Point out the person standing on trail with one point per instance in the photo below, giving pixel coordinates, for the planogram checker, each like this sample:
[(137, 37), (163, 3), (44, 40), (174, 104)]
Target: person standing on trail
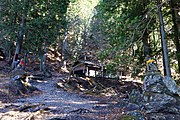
[(16, 62), (21, 63)]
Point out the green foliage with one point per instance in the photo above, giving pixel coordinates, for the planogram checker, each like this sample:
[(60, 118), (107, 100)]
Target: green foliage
[(121, 30), (44, 21), (79, 15), (128, 27), (118, 29)]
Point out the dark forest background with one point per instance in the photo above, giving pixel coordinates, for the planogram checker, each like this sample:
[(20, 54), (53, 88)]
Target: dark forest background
[(114, 33)]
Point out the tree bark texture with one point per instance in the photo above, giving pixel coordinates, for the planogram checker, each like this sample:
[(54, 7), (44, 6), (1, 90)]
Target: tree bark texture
[(20, 32), (174, 10), (146, 44), (64, 50), (19, 41), (164, 43), (145, 38)]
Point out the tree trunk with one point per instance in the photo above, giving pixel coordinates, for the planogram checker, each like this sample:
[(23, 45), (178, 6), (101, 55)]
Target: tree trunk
[(44, 58), (19, 41), (146, 44), (145, 38), (42, 55), (43, 65), (64, 51), (20, 33), (176, 31), (164, 44)]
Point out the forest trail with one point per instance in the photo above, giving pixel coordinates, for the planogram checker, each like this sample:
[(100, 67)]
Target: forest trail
[(54, 102)]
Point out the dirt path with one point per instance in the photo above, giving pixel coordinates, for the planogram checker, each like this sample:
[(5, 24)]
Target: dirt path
[(55, 103)]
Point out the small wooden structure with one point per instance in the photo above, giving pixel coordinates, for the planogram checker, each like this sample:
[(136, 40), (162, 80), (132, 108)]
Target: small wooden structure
[(83, 68)]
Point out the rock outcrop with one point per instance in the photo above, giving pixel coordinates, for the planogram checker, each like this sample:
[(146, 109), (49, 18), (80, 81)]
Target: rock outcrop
[(161, 94), (19, 83), (159, 98)]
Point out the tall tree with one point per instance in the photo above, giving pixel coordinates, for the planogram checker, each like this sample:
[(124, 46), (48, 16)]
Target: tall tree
[(145, 37), (164, 44), (123, 25), (37, 23), (175, 18), (20, 33)]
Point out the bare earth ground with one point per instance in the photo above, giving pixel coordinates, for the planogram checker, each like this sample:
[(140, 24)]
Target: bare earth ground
[(55, 103)]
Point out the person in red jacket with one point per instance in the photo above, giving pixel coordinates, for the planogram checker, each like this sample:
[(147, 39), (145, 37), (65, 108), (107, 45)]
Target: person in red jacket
[(21, 64)]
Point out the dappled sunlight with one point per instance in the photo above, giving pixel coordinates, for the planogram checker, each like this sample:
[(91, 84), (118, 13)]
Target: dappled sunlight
[(65, 70), (85, 13), (14, 115), (53, 100), (89, 60), (41, 81), (82, 102), (56, 56)]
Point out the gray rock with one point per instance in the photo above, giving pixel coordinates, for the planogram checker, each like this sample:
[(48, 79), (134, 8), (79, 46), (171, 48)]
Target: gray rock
[(160, 116), (171, 85), (160, 94), (132, 115), (131, 107), (158, 84), (161, 99), (156, 102), (135, 97), (154, 83), (137, 114), (20, 87)]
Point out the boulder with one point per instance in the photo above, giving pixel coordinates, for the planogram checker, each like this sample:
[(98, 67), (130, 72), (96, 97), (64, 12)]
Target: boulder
[(17, 72), (161, 94), (132, 115), (136, 97), (154, 83), (158, 84), (171, 85), (131, 107), (19, 83), (159, 99), (155, 102), (18, 87)]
